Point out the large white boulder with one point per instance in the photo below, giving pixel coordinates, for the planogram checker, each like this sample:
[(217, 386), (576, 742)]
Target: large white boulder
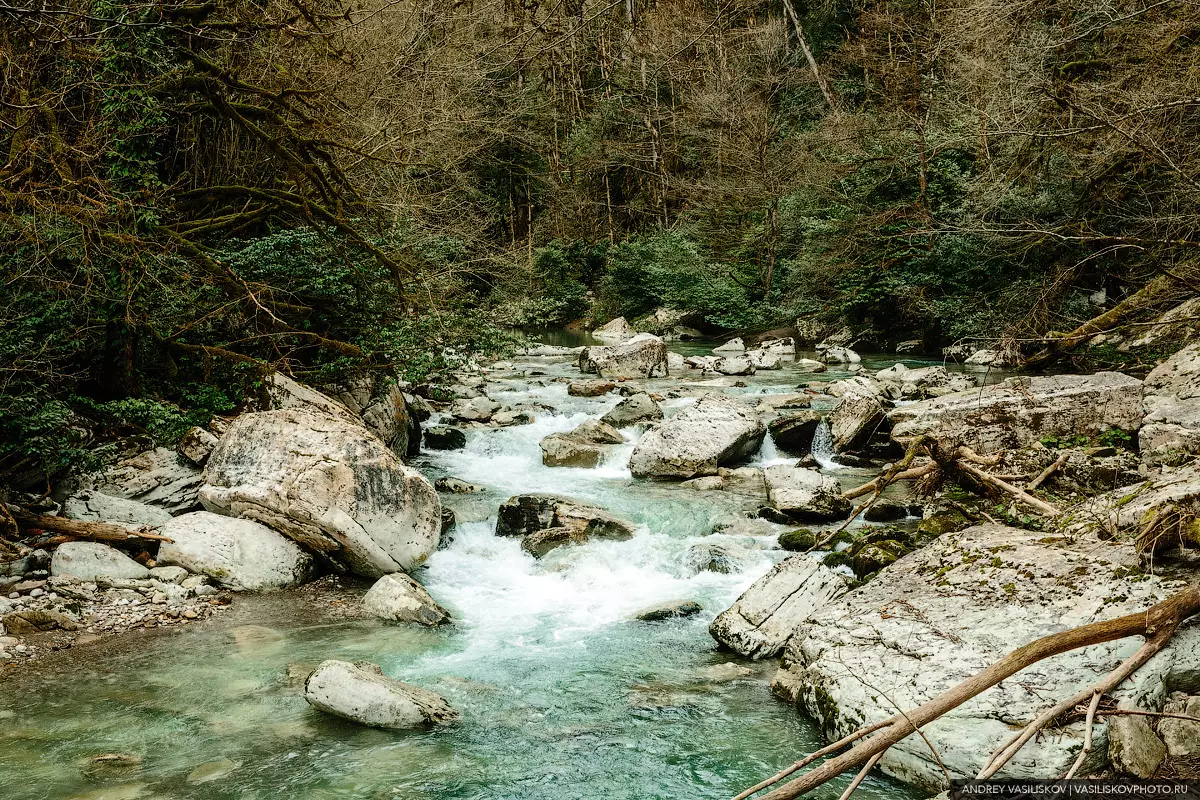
[(330, 485), (854, 421), (617, 330), (362, 693), (805, 494), (732, 346), (636, 408), (774, 608), (1022, 411), (946, 611), (1172, 404), (644, 356), (92, 561), (715, 431), (399, 598), (237, 553)]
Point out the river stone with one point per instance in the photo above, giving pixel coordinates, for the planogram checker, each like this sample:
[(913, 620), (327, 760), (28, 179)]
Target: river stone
[(361, 693), (672, 610), (586, 446), (617, 330), (399, 598), (636, 408), (331, 486), (1133, 748), (1022, 411), (785, 346), (810, 365), (793, 431), (774, 608), (1181, 736), (637, 358), (539, 543), (854, 421), (805, 494), (93, 506), (454, 485), (721, 557), (732, 346), (840, 355), (524, 514), (168, 574), (158, 477), (443, 437), (590, 388), (475, 409), (196, 444), (1172, 404), (237, 553), (717, 430), (948, 610), (91, 561), (382, 407), (733, 365)]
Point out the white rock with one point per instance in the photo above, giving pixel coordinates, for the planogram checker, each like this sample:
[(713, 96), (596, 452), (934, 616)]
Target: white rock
[(169, 574), (841, 355), (854, 421), (1172, 404), (676, 363), (196, 444), (774, 608), (617, 330), (733, 365), (715, 431), (93, 506), (636, 408), (781, 347), (637, 358), (475, 409), (732, 346), (805, 494), (810, 365), (362, 693), (399, 598), (237, 553), (333, 487), (764, 359), (158, 477), (90, 561)]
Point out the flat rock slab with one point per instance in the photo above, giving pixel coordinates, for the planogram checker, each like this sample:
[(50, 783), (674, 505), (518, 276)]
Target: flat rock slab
[(945, 612)]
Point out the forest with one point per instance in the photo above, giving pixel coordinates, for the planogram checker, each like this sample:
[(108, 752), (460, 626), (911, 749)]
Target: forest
[(193, 193)]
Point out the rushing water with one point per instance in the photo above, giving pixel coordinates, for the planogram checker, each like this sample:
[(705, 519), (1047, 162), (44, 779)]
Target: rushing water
[(562, 695)]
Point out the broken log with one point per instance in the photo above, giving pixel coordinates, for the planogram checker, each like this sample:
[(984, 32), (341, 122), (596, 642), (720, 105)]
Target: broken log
[(79, 529)]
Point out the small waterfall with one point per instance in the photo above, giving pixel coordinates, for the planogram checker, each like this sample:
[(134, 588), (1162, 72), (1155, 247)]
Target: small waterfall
[(767, 452), (822, 445)]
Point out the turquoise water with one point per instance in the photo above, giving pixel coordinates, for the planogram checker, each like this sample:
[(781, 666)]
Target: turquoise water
[(562, 695)]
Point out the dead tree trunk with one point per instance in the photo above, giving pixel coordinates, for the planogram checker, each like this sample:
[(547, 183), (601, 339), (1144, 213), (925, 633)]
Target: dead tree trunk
[(97, 531)]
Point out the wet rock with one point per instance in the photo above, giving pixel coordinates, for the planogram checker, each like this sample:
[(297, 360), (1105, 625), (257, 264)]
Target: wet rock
[(475, 409), (774, 608), (805, 494), (456, 486), (709, 483), (733, 365), (90, 561), (213, 771), (793, 431), (724, 673), (799, 541), (363, 694), (854, 421), (158, 477), (716, 431), (237, 553), (637, 358), (672, 610), (636, 408), (885, 511), (511, 416), (196, 444), (617, 330), (731, 346), (1133, 748), (1022, 411), (524, 514), (539, 543), (399, 598), (840, 355), (951, 608), (590, 388), (772, 514), (443, 437), (585, 447), (763, 359), (333, 487), (720, 557), (1172, 405), (809, 365)]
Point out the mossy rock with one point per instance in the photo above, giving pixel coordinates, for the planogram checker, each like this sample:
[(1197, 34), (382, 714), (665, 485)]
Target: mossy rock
[(841, 558), (873, 557), (944, 520), (842, 537), (798, 541)]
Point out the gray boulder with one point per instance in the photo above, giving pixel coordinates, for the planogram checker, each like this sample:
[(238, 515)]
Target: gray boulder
[(1133, 747), (636, 408), (1182, 737), (717, 430), (586, 446), (329, 485), (91, 561), (475, 409), (673, 610), (1172, 404), (617, 330), (158, 477), (524, 514), (1023, 410), (590, 388), (237, 553), (793, 431), (637, 358), (362, 693), (854, 421), (773, 610), (840, 355), (733, 365), (539, 543), (93, 506), (399, 598), (805, 494), (196, 444)]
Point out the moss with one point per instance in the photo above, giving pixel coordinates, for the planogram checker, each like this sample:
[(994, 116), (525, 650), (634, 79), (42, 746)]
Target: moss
[(799, 540)]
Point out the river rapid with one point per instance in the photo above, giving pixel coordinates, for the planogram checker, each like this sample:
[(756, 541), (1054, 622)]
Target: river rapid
[(563, 696)]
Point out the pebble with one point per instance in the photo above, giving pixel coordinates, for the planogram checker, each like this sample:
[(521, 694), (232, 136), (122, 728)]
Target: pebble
[(190, 614)]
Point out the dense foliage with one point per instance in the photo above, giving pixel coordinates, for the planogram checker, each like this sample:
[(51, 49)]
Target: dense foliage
[(193, 193)]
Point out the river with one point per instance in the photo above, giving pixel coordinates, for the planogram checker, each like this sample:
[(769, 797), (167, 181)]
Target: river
[(563, 696)]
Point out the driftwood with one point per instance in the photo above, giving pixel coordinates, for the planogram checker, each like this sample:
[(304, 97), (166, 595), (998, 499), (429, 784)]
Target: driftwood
[(1157, 624), (96, 531), (1058, 464)]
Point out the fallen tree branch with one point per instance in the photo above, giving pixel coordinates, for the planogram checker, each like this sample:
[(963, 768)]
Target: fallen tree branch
[(1044, 508), (905, 475), (1058, 464), (1087, 737), (1157, 624), (98, 531)]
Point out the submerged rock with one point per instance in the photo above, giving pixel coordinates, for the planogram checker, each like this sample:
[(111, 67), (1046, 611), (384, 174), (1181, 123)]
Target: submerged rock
[(1022, 411), (672, 610), (637, 358), (539, 543), (717, 430), (361, 693), (91, 561), (443, 437), (636, 408), (399, 598), (331, 486), (524, 514), (774, 608), (237, 553)]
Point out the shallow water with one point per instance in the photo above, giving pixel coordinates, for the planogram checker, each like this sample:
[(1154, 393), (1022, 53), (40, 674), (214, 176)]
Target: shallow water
[(562, 695)]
